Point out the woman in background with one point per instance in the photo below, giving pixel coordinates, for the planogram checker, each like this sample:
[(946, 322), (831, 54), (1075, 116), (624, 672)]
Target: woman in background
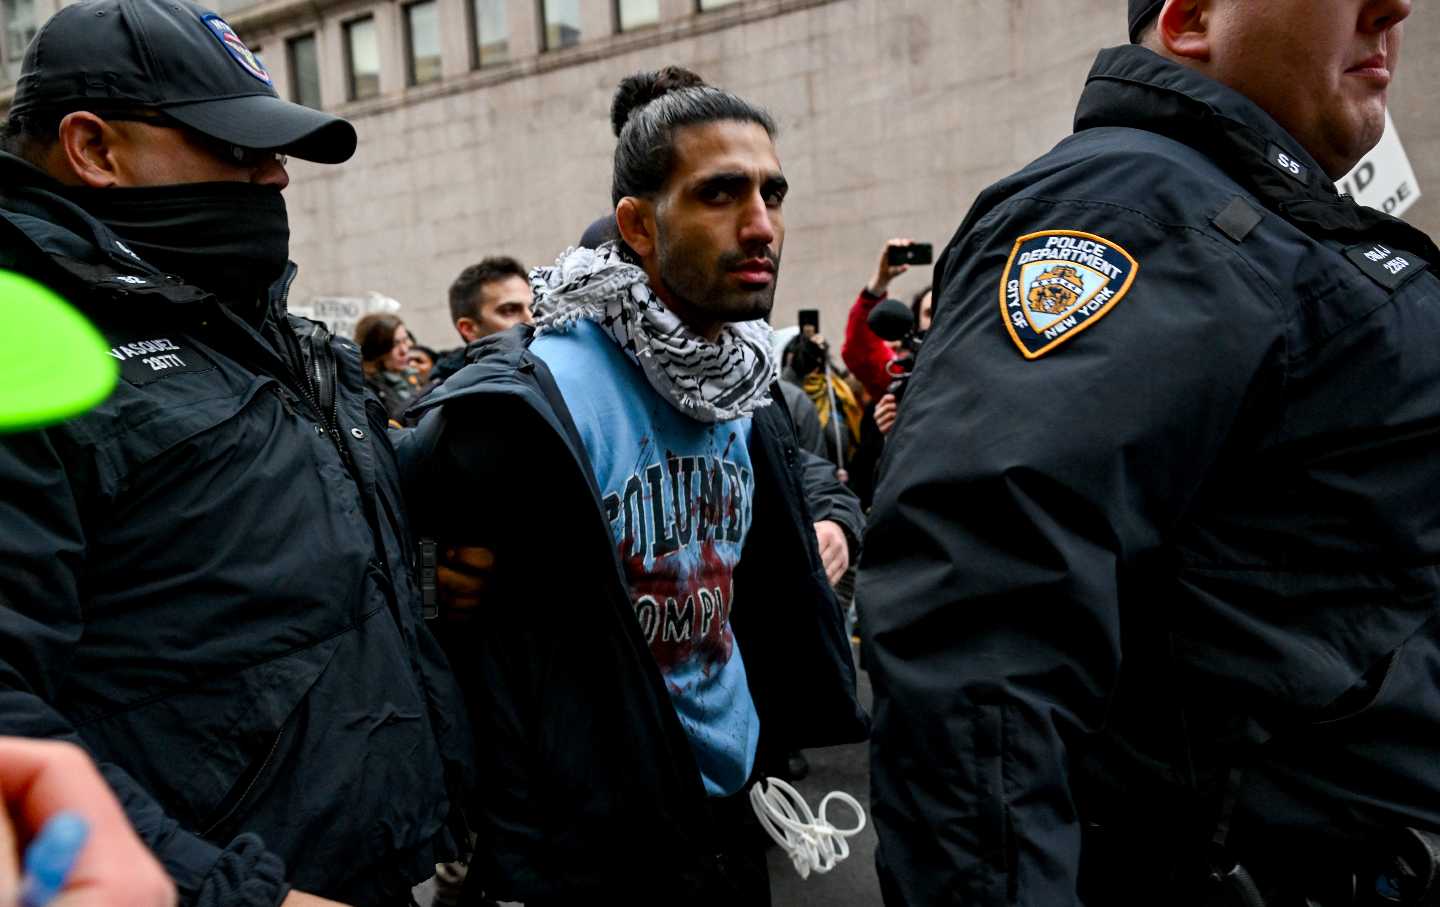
[(385, 348)]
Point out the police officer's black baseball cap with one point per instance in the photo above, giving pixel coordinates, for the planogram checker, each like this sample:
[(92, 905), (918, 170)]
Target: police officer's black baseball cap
[(1142, 13), (175, 57)]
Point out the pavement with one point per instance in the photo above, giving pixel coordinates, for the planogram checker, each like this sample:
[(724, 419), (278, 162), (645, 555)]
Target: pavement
[(851, 883)]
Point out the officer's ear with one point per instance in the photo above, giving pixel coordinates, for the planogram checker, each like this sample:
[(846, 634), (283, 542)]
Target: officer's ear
[(1184, 29), (85, 151), (636, 220)]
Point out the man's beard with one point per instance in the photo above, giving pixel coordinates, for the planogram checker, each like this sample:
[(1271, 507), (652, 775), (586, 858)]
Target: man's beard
[(707, 290)]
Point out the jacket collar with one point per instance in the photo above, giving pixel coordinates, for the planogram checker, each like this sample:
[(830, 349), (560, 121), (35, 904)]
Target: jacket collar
[(484, 362), (502, 365), (1133, 87), (34, 202)]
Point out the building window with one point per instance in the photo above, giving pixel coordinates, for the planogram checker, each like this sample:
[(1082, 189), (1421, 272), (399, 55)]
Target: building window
[(492, 32), (20, 27), (716, 4), (561, 23), (362, 59), (304, 71), (637, 13), (422, 41)]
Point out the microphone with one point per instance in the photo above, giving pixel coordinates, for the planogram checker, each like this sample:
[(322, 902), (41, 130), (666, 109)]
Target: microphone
[(891, 320)]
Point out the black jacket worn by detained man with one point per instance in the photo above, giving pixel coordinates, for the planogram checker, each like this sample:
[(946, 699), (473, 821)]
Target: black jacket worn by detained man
[(207, 584), (1153, 560), (588, 783)]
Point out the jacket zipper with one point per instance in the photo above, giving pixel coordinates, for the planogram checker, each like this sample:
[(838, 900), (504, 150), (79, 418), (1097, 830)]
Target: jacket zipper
[(318, 382), (325, 397), (245, 794)]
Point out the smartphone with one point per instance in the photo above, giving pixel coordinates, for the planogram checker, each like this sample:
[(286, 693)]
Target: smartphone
[(920, 253), (809, 318)]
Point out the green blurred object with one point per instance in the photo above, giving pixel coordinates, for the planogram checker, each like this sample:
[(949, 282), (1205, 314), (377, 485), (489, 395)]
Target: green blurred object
[(53, 363)]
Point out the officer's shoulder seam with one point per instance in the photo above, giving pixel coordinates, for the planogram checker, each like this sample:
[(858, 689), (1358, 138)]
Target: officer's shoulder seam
[(1152, 150), (1142, 143), (1185, 171), (1230, 250)]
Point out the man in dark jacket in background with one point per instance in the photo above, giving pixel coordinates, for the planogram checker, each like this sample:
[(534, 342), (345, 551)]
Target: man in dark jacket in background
[(1160, 625), (487, 297), (206, 582), (659, 613)]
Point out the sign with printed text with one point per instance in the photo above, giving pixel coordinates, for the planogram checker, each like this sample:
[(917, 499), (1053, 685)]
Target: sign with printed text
[(1384, 179), (341, 313)]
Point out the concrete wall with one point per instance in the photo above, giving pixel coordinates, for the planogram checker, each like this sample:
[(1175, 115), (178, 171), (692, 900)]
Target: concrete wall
[(1416, 115), (894, 114)]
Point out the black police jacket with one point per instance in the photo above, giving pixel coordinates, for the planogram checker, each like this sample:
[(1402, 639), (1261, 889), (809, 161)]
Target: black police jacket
[(588, 784), (206, 583), (1173, 577)]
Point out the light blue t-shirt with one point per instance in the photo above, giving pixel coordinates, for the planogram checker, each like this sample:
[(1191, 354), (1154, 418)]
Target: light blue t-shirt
[(678, 494)]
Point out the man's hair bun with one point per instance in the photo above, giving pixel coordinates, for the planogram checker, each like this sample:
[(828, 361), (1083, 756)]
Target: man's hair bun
[(640, 89), (649, 107)]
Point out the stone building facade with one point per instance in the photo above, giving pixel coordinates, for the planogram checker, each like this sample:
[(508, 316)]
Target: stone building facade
[(484, 124)]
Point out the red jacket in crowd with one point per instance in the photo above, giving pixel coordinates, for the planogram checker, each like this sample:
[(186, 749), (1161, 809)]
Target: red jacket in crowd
[(866, 356)]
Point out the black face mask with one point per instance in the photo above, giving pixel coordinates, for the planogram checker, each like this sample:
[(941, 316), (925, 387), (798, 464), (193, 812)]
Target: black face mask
[(232, 239)]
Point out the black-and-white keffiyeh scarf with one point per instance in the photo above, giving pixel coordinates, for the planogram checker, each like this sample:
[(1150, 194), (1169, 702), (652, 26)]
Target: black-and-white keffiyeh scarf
[(709, 382)]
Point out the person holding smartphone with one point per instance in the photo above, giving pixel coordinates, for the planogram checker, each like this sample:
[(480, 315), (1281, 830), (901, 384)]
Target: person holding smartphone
[(867, 355)]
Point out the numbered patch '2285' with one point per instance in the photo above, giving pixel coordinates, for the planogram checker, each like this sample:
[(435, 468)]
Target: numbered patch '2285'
[(1058, 283)]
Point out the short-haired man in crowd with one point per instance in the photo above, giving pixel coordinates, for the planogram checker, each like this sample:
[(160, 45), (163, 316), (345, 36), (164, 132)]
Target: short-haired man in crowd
[(1162, 625), (206, 581), (660, 613), (490, 296), (487, 297)]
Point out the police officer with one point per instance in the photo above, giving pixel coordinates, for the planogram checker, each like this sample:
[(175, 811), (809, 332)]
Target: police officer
[(1161, 626), (206, 582)]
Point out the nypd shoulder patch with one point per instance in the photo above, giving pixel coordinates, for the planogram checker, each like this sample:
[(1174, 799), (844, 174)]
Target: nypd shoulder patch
[(1058, 283), (236, 48)]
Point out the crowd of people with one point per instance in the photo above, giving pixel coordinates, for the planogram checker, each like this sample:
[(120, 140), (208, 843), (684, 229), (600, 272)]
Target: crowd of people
[(1138, 493)]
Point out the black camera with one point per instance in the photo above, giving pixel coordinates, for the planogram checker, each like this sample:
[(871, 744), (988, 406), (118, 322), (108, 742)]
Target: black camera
[(892, 320), (900, 369)]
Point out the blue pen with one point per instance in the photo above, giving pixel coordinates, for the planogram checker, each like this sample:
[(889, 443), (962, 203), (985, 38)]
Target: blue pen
[(50, 857)]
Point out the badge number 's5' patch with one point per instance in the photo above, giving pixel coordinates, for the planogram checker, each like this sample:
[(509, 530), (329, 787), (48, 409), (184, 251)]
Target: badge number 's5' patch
[(1058, 283)]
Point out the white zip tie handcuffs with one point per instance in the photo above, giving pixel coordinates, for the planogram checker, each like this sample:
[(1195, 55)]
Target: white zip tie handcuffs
[(812, 843)]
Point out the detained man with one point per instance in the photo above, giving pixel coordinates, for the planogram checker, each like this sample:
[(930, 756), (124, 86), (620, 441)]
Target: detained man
[(659, 616)]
